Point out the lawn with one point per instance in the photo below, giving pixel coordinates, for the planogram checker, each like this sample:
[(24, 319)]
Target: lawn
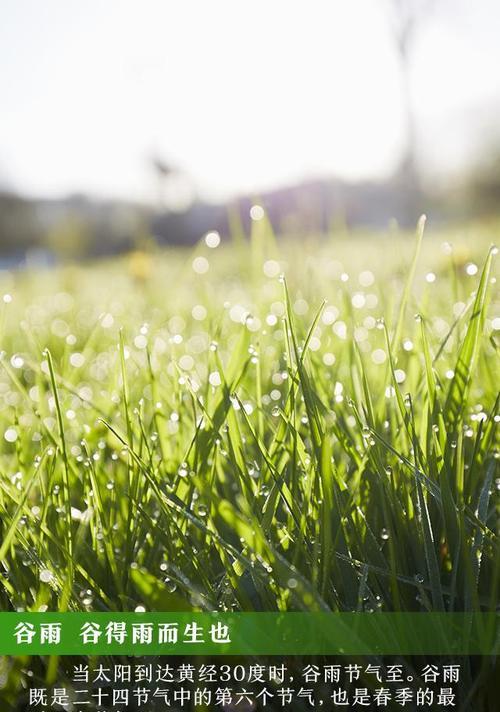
[(257, 425)]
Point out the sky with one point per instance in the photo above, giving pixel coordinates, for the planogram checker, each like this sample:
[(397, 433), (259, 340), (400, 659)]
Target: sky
[(239, 95)]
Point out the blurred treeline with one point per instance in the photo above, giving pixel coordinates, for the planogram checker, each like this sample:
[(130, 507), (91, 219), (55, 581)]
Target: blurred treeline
[(45, 231)]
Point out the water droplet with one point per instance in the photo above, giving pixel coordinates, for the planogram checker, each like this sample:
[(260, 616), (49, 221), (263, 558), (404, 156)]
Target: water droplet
[(46, 576), (212, 239), (11, 435), (170, 585)]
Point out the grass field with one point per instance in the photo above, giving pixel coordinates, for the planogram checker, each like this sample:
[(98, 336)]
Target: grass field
[(192, 430)]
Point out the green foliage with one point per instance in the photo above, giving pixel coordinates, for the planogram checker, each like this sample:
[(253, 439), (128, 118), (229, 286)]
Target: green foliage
[(224, 439)]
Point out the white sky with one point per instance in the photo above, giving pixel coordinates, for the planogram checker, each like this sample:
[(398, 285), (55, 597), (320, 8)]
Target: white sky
[(242, 95)]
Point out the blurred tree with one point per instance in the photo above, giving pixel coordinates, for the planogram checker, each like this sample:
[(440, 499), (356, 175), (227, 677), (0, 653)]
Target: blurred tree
[(19, 230), (162, 172), (176, 191), (482, 185), (407, 17), (70, 238)]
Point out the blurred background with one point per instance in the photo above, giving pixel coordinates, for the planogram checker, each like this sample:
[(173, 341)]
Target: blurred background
[(126, 125)]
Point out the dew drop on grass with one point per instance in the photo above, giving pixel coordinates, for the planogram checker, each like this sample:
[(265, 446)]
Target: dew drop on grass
[(212, 239), (400, 375), (378, 356), (256, 212), (419, 578), (251, 471), (10, 435), (140, 609), (384, 534), (170, 585), (215, 379), (200, 265), (17, 361), (46, 576), (366, 278), (77, 359)]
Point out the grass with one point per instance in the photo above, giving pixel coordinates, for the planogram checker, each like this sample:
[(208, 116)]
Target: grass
[(229, 439)]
